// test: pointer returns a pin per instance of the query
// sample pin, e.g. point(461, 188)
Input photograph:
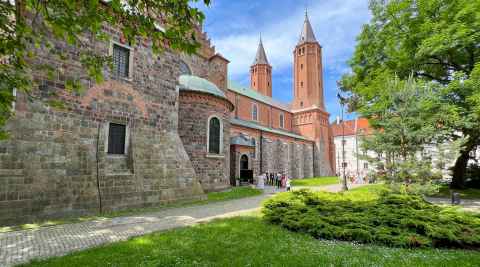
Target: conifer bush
point(383, 217)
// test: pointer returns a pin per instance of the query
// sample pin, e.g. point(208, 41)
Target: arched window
point(244, 162)
point(282, 121)
point(214, 144)
point(184, 68)
point(254, 112)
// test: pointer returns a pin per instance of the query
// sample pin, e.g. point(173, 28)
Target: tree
point(26, 24)
point(436, 41)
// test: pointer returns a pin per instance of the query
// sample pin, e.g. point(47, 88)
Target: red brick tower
point(310, 116)
point(261, 72)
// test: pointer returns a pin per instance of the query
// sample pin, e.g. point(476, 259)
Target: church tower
point(310, 119)
point(261, 72)
point(308, 77)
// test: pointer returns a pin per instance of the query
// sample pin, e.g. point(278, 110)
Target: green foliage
point(383, 217)
point(26, 25)
point(249, 241)
point(437, 42)
point(317, 181)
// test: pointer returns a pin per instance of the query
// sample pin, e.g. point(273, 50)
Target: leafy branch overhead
point(30, 25)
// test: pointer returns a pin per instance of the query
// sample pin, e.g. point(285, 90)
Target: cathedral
point(158, 129)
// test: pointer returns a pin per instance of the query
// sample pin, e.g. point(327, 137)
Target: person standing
point(287, 184)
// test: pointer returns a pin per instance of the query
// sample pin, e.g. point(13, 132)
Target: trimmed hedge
point(397, 220)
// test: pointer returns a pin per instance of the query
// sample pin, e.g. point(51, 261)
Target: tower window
point(301, 66)
point(282, 121)
point(301, 84)
point(301, 103)
point(268, 83)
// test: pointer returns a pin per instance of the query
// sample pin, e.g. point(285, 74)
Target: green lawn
point(249, 241)
point(468, 193)
point(317, 181)
point(234, 193)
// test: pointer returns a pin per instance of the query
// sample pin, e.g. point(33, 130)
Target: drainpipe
point(261, 152)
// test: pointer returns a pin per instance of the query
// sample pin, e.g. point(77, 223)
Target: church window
point(268, 83)
point(301, 84)
point(301, 66)
point(184, 69)
point(282, 121)
point(121, 61)
point(254, 112)
point(301, 103)
point(254, 144)
point(214, 143)
point(116, 138)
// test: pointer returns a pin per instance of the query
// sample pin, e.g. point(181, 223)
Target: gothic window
point(185, 69)
point(254, 112)
point(214, 136)
point(116, 138)
point(301, 66)
point(121, 61)
point(301, 84)
point(282, 121)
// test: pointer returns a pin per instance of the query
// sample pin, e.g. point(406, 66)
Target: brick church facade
point(160, 128)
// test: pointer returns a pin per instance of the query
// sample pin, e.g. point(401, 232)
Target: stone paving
point(465, 204)
point(23, 246)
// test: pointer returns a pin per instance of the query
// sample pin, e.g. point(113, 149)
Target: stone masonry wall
point(54, 158)
point(213, 171)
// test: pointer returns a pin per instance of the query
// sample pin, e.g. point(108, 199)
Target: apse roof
point(197, 84)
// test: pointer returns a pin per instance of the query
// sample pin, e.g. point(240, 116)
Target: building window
point(344, 142)
point(254, 144)
point(214, 135)
point(121, 61)
point(365, 165)
point(116, 138)
point(344, 165)
point(185, 69)
point(301, 66)
point(301, 103)
point(282, 121)
point(254, 112)
point(301, 84)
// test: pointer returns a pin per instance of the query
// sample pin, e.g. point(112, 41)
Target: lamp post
point(344, 185)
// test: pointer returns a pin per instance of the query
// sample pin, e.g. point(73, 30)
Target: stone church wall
point(213, 171)
point(55, 157)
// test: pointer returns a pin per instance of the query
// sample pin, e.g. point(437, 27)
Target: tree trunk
point(459, 170)
point(460, 167)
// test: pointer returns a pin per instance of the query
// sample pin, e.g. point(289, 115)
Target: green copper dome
point(197, 84)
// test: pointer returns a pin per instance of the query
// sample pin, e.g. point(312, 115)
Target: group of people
point(278, 180)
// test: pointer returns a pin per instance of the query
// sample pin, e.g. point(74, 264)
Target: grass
point(374, 215)
point(249, 241)
point(468, 193)
point(317, 181)
point(233, 193)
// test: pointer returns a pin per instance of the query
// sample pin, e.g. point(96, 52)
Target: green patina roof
point(249, 92)
point(254, 125)
point(197, 84)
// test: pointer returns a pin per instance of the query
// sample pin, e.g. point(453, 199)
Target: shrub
point(392, 219)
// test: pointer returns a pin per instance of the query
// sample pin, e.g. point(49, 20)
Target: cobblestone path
point(23, 246)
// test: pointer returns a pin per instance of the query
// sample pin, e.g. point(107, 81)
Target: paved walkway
point(23, 246)
point(465, 204)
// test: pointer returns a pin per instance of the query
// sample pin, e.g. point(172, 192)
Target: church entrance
point(246, 175)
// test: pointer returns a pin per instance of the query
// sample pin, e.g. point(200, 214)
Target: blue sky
point(235, 26)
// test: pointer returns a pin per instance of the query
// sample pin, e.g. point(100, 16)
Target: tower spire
point(307, 34)
point(261, 57)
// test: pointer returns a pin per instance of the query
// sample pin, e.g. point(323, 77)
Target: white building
point(350, 134)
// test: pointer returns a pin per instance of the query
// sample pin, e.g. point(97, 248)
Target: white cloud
point(335, 23)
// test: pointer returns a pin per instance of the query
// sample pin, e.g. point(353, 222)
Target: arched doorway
point(246, 175)
point(244, 162)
